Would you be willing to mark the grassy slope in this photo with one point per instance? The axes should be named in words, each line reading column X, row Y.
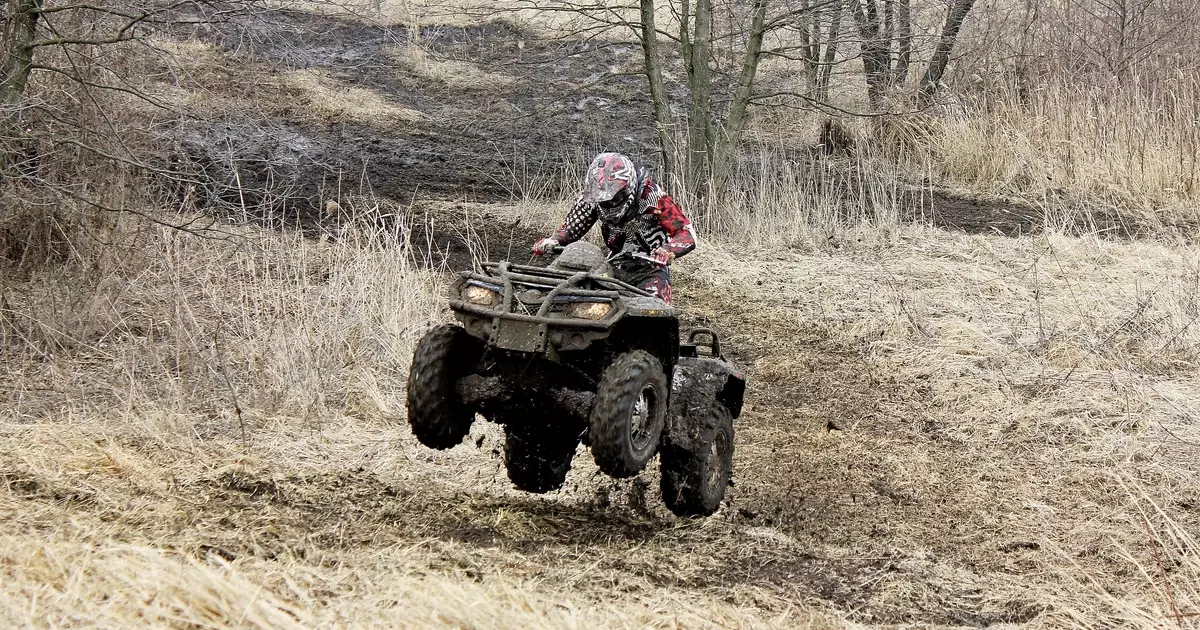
column 995, row 466
column 942, row 429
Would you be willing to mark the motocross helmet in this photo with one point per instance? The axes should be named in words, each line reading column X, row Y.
column 611, row 184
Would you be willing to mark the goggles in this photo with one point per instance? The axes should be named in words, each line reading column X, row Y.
column 617, row 201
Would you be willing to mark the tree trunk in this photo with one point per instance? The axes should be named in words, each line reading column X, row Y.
column 20, row 29
column 941, row 57
column 18, row 58
column 810, row 31
column 887, row 32
column 699, row 157
column 904, row 39
column 685, row 39
column 831, row 46
column 874, row 51
column 741, row 99
column 658, row 90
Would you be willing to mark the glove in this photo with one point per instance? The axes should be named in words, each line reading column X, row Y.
column 663, row 256
column 543, row 247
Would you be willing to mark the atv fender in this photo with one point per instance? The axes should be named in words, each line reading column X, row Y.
column 696, row 383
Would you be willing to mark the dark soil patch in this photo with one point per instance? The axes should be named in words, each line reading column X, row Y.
column 495, row 141
column 309, row 516
column 461, row 237
column 991, row 216
column 974, row 216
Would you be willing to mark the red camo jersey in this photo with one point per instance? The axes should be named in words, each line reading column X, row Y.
column 659, row 222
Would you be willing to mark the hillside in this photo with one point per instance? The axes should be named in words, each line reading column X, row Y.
column 964, row 410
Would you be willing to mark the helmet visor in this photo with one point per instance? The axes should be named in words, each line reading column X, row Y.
column 617, row 200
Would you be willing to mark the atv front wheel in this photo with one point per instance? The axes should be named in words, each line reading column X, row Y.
column 694, row 477
column 436, row 413
column 537, row 451
column 628, row 414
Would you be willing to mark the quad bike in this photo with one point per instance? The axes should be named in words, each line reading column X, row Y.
column 568, row 353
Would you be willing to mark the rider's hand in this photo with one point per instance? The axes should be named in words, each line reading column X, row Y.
column 663, row 256
column 544, row 246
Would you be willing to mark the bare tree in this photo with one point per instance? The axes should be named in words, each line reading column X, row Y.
column 941, row 57
column 887, row 43
column 20, row 29
column 658, row 89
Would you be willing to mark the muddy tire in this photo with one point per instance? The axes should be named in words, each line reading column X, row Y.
column 628, row 414
column 694, row 477
column 538, row 453
column 436, row 413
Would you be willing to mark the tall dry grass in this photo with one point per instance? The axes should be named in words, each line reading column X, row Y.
column 279, row 324
column 1062, row 142
column 1125, row 146
column 1126, row 151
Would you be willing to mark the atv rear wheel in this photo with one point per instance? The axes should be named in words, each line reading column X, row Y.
column 436, row 413
column 628, row 414
column 694, row 476
column 538, row 451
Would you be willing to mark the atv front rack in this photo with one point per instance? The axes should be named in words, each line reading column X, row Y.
column 540, row 275
column 531, row 331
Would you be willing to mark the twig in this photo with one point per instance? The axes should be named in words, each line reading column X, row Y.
column 1170, row 591
column 1180, row 410
column 891, row 280
column 237, row 407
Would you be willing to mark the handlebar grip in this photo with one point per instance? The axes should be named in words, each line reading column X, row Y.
column 557, row 249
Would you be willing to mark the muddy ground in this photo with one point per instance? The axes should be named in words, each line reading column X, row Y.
column 521, row 121
column 513, row 121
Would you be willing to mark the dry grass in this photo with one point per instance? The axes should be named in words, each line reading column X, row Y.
column 452, row 73
column 208, row 435
column 1129, row 149
column 209, row 81
column 1116, row 145
column 1034, row 396
column 332, row 98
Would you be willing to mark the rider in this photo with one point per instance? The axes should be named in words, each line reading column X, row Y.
column 636, row 215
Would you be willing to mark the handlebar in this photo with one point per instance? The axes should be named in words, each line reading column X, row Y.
column 637, row 256
column 558, row 249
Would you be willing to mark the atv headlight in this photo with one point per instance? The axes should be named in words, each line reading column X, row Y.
column 590, row 310
column 480, row 295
